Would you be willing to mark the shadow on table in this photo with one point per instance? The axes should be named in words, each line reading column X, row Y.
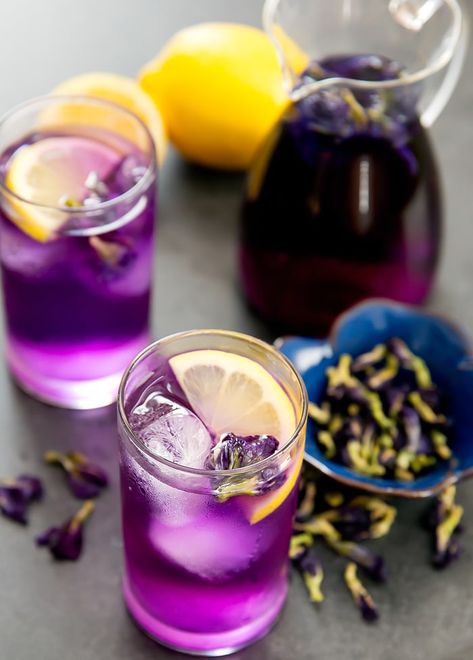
column 43, row 427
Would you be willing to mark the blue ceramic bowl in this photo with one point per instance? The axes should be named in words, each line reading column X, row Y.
column 447, row 352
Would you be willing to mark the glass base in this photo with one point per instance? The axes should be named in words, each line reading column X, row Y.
column 203, row 644
column 81, row 380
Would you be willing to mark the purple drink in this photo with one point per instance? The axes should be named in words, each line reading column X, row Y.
column 76, row 250
column 344, row 201
column 207, row 514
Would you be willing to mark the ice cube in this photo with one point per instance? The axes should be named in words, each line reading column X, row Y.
column 211, row 547
column 22, row 254
column 171, row 431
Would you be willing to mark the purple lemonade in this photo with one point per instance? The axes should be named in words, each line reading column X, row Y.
column 76, row 250
column 208, row 504
column 343, row 203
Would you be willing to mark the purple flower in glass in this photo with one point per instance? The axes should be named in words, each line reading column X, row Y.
column 234, row 451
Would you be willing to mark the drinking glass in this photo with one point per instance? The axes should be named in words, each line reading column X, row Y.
column 205, row 574
column 77, row 206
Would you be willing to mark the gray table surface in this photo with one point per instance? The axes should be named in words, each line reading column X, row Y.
column 51, row 611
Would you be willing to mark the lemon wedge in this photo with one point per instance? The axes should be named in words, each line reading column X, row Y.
column 232, row 393
column 46, row 173
column 118, row 89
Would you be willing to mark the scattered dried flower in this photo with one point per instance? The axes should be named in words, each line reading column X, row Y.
column 17, row 494
column 85, row 479
column 313, row 576
column 66, row 541
column 361, row 596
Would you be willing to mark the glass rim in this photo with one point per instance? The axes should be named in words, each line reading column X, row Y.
column 443, row 60
column 128, row 194
column 205, row 472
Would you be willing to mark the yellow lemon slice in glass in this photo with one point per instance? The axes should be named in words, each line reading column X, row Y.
column 232, row 393
column 48, row 172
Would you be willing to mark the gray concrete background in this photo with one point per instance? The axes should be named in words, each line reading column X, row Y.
column 51, row 611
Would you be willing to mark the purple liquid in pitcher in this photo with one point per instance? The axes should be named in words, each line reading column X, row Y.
column 339, row 209
column 77, row 304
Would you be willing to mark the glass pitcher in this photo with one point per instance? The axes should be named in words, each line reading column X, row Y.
column 344, row 200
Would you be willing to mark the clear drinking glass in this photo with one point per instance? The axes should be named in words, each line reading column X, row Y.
column 344, row 201
column 206, row 550
column 77, row 207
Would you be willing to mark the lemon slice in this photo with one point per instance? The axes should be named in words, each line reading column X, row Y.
column 266, row 504
column 232, row 393
column 118, row 89
column 49, row 171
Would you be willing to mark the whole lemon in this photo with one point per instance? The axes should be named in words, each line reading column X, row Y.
column 219, row 87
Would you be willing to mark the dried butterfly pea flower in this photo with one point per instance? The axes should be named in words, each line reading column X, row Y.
column 339, row 376
column 359, row 462
column 411, row 423
column 439, row 441
column 424, row 410
column 85, row 479
column 450, row 553
column 422, row 461
column 371, row 563
column 268, row 480
column 326, row 440
column 385, row 440
column 318, row 526
column 334, row 499
column 307, row 504
column 410, row 361
column 368, row 445
column 395, row 397
column 13, row 504
column 361, row 596
column 445, row 519
column 385, row 375
column 300, row 543
column 422, row 373
column 403, row 475
column 336, row 424
column 17, row 494
column 376, row 409
column 351, row 523
column 66, row 542
column 31, row 486
column 320, row 414
column 382, row 514
column 313, row 576
column 369, row 359
column 400, row 350
column 387, row 458
column 234, row 451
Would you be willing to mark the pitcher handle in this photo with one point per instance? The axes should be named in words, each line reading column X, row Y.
column 453, row 71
